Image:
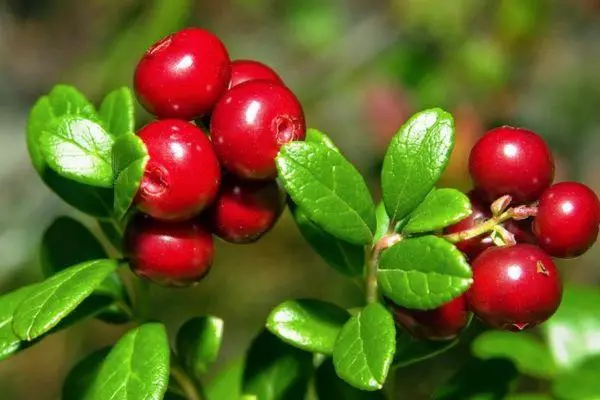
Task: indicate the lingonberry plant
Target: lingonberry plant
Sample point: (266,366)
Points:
(429,258)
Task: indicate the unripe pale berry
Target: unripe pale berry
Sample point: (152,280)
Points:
(514,287)
(168,253)
(567,219)
(182,175)
(442,323)
(511,161)
(250,124)
(183,75)
(246,210)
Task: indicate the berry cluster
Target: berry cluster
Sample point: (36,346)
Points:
(516,284)
(213,177)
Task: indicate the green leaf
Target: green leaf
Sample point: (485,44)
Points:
(441,207)
(480,380)
(410,351)
(423,272)
(383,222)
(62,100)
(310,325)
(330,387)
(318,137)
(415,159)
(227,385)
(198,343)
(528,396)
(79,149)
(572,333)
(130,157)
(365,348)
(9,302)
(137,368)
(117,112)
(529,355)
(57,296)
(275,370)
(80,379)
(581,383)
(344,257)
(329,189)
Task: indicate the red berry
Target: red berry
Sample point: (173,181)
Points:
(183,75)
(250,124)
(246,210)
(442,323)
(168,253)
(511,161)
(473,247)
(522,230)
(249,70)
(182,175)
(514,287)
(567,220)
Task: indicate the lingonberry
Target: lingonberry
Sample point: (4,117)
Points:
(169,253)
(514,287)
(250,70)
(249,125)
(183,75)
(246,210)
(567,220)
(182,175)
(442,323)
(511,161)
(522,230)
(474,246)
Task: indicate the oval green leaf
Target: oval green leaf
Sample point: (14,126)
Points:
(329,386)
(415,160)
(383,222)
(198,343)
(137,368)
(423,272)
(79,149)
(311,325)
(275,370)
(227,385)
(130,157)
(329,189)
(530,356)
(572,333)
(441,207)
(581,383)
(117,112)
(316,136)
(365,348)
(410,351)
(344,257)
(9,302)
(80,379)
(57,296)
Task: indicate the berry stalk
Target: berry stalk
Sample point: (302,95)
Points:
(372,263)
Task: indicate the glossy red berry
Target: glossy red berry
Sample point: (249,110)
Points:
(473,247)
(442,323)
(246,210)
(168,253)
(250,124)
(182,175)
(514,287)
(249,70)
(511,161)
(567,220)
(183,75)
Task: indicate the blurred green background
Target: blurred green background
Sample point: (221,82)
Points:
(360,68)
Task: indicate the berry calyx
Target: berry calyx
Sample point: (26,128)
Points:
(183,75)
(471,248)
(182,175)
(168,253)
(246,210)
(567,220)
(250,70)
(515,287)
(249,125)
(511,161)
(442,323)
